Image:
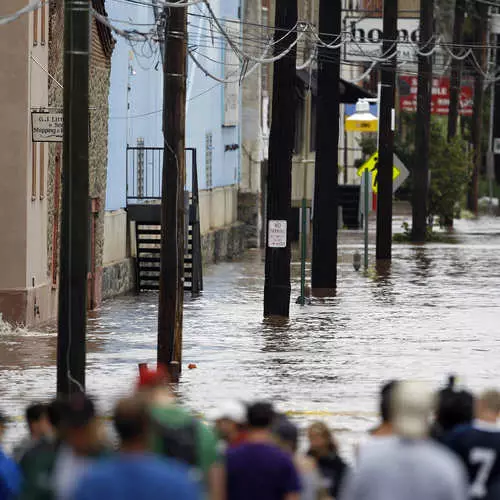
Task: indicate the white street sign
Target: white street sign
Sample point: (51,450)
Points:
(276,237)
(47,127)
(403,174)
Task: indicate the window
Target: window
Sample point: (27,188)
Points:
(34,164)
(312,146)
(208,159)
(42,170)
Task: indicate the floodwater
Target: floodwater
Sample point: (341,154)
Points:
(435,310)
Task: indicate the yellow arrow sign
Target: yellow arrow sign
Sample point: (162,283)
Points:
(372,166)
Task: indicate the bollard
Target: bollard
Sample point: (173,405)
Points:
(356,261)
(174,371)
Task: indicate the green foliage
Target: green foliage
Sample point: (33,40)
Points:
(449,164)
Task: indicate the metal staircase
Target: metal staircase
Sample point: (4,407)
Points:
(143,207)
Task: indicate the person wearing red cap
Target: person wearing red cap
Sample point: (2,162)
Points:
(177,434)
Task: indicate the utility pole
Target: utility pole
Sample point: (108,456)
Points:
(386,131)
(456,69)
(171,296)
(423,125)
(480,40)
(279,179)
(496,111)
(325,221)
(72,314)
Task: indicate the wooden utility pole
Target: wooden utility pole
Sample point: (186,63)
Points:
(325,221)
(456,69)
(480,51)
(386,132)
(72,315)
(423,125)
(171,297)
(279,178)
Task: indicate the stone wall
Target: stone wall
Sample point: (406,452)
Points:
(118,278)
(99,81)
(249,213)
(226,243)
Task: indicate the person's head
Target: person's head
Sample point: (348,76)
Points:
(37,417)
(81,426)
(488,406)
(131,421)
(56,411)
(413,404)
(286,434)
(321,441)
(260,416)
(386,401)
(4,420)
(230,420)
(454,407)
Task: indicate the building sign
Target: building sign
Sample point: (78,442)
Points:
(440,103)
(366,37)
(47,127)
(232,68)
(276,236)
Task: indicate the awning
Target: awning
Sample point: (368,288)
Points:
(349,93)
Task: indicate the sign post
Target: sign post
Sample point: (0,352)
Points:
(366,179)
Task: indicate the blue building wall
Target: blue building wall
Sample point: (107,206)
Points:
(142,70)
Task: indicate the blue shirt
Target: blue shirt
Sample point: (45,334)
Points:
(10,478)
(260,471)
(133,476)
(478,445)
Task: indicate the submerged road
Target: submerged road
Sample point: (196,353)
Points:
(435,310)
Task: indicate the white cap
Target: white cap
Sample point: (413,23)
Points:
(413,404)
(230,410)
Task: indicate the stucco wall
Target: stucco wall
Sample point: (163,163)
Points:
(218,208)
(115,236)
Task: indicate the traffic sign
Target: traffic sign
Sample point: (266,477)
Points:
(399,172)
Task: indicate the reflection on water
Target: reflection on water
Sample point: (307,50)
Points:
(435,309)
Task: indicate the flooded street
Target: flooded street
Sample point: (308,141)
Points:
(435,310)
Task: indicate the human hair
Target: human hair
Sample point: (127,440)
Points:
(285,432)
(322,429)
(491,400)
(131,419)
(386,393)
(56,411)
(260,415)
(454,408)
(35,412)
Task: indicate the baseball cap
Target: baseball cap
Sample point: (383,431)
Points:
(413,404)
(152,377)
(284,429)
(230,410)
(79,411)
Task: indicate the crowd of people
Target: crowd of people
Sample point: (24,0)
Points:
(427,446)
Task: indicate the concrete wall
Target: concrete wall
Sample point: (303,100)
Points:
(115,236)
(25,292)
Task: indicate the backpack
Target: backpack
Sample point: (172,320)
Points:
(179,443)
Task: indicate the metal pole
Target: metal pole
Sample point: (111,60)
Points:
(366,181)
(491,163)
(72,315)
(303,252)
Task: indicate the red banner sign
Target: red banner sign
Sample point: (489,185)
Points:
(440,104)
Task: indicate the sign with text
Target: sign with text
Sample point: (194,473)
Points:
(47,127)
(440,104)
(366,37)
(276,236)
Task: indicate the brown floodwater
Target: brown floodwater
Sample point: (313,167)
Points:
(435,310)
